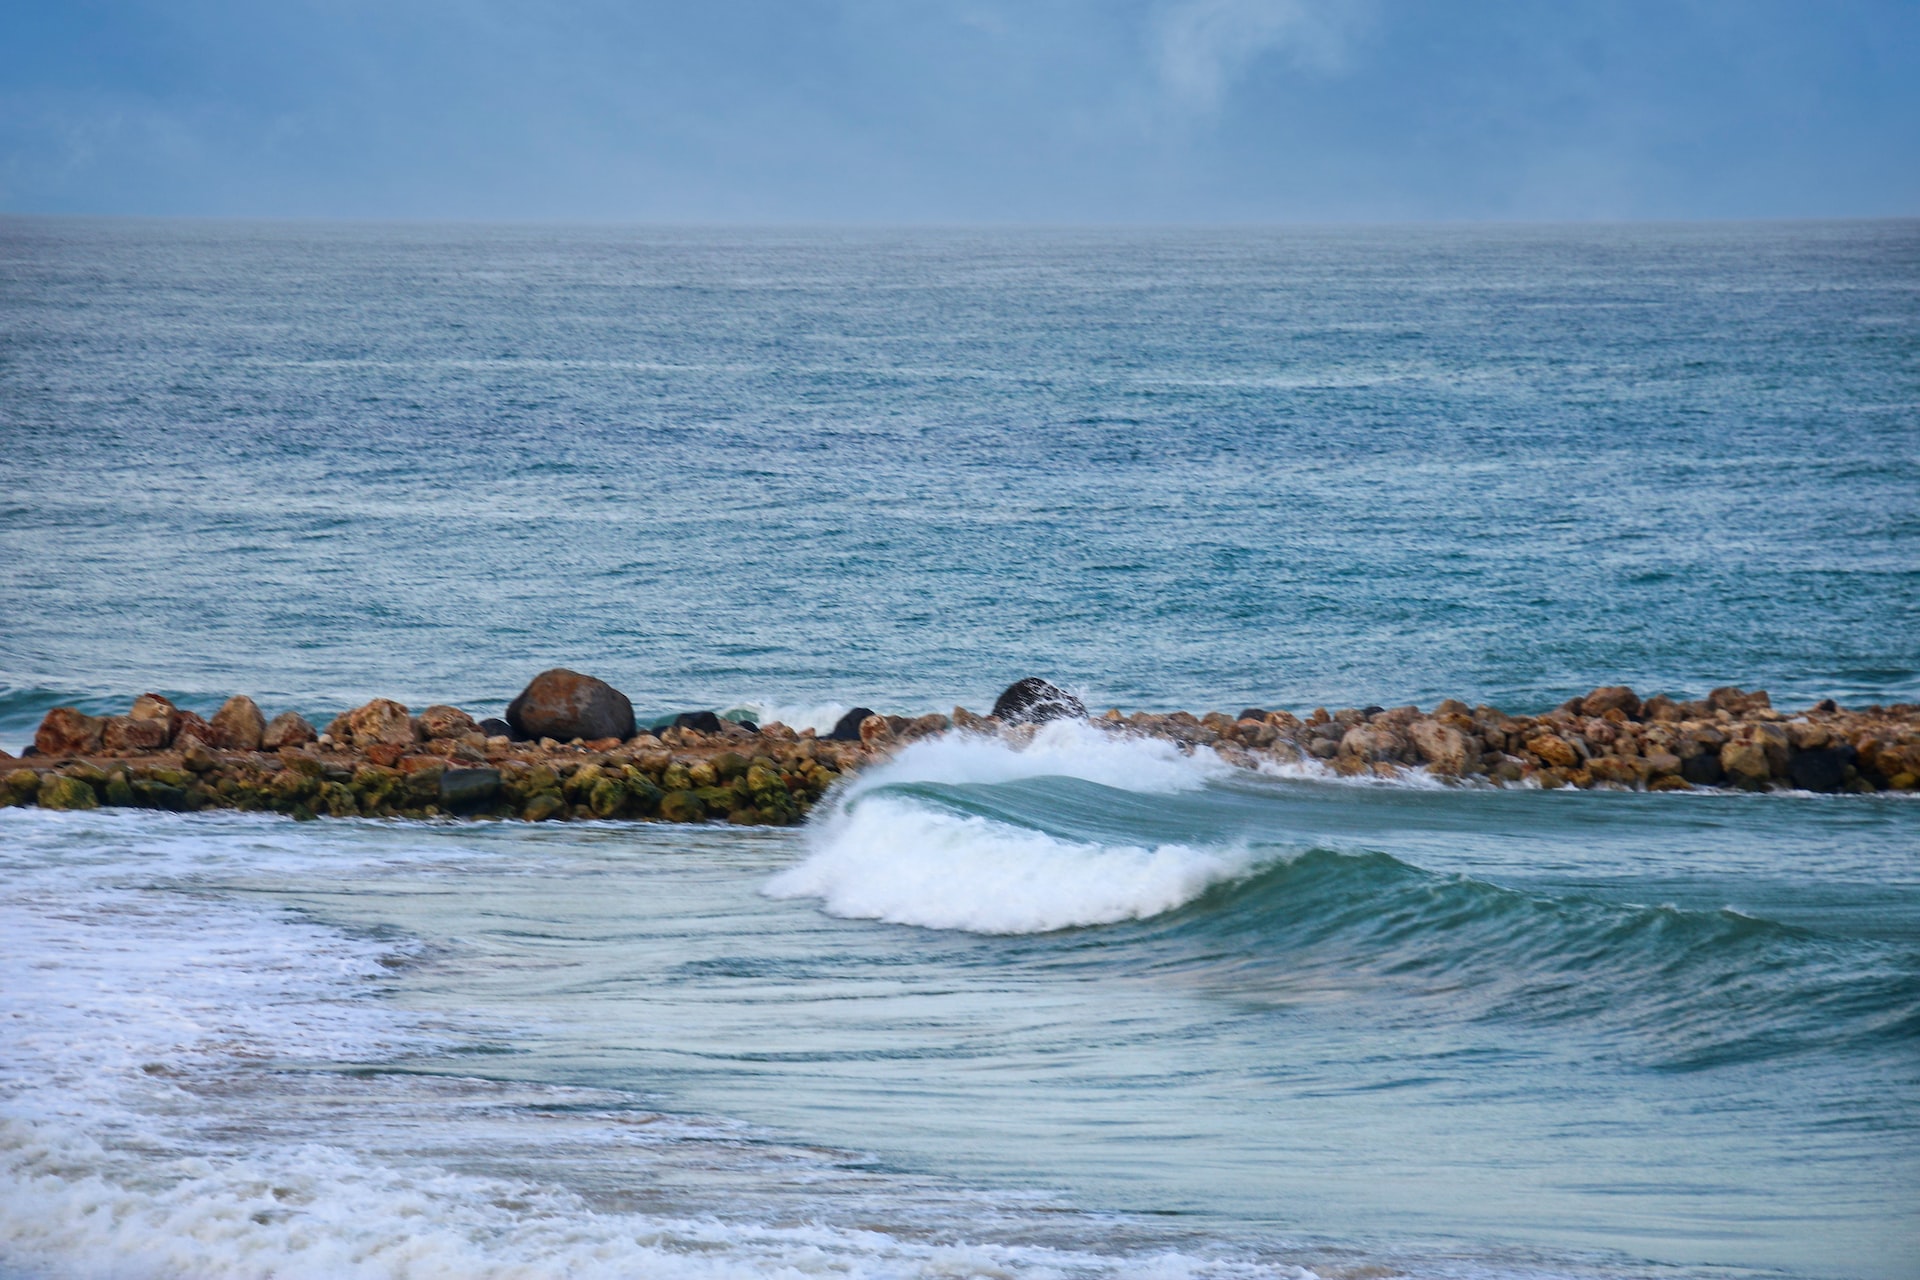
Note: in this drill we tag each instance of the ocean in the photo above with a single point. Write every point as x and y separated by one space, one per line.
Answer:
1092 1008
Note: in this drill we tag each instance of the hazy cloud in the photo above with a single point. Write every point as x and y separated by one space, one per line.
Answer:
1205 45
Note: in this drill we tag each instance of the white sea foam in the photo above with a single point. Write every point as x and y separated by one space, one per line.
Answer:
878 854
155 1122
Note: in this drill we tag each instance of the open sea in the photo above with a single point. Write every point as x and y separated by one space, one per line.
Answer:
1089 1009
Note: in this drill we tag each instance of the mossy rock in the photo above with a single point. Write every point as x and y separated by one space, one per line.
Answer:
747 817
607 798
643 797
58 792
682 806
336 800
675 778
118 792
729 765
91 774
544 806
159 795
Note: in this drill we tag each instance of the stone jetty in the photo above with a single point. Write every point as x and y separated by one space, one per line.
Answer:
569 750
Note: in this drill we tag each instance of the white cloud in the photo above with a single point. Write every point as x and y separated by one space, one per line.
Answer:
1206 45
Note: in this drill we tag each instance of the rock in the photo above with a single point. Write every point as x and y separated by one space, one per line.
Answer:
682 806
1251 713
875 730
238 724
1703 770
198 757
188 724
1371 743
1736 701
1554 750
565 705
380 721
847 727
1745 764
125 733
1035 701
543 806
386 754
67 731
497 728
151 706
698 721
1628 771
441 721
1610 698
118 792
1820 769
1443 747
57 792
1663 763
288 729
1661 708
467 790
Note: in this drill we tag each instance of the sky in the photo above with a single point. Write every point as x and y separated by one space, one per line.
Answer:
975 111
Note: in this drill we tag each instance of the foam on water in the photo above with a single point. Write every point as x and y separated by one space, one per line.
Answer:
155 1123
882 853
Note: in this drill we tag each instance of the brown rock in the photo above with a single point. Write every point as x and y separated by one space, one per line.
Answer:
1609 698
124 733
875 730
288 729
188 724
442 721
67 731
1662 763
238 724
1736 701
565 705
385 754
1661 708
1625 770
1372 742
1745 764
380 721
1554 750
1443 747
151 706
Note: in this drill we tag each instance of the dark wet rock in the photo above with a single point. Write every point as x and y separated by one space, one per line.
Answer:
238 724
564 705
847 727
468 790
698 721
67 731
494 727
1823 769
1035 701
1251 713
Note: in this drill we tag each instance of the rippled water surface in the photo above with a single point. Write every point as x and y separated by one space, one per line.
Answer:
1091 1008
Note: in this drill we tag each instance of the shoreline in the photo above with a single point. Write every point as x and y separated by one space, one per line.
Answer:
381 760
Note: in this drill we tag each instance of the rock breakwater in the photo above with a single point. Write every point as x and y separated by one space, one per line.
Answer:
383 760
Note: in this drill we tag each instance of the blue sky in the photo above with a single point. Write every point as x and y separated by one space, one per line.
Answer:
1047 111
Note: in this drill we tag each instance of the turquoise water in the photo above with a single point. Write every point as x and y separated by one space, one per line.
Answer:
1092 1008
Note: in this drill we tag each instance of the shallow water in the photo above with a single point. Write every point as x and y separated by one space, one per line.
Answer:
1092 1008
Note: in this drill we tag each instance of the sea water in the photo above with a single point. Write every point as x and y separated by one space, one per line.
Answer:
1088 1008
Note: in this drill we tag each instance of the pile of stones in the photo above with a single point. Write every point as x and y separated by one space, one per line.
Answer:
568 748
